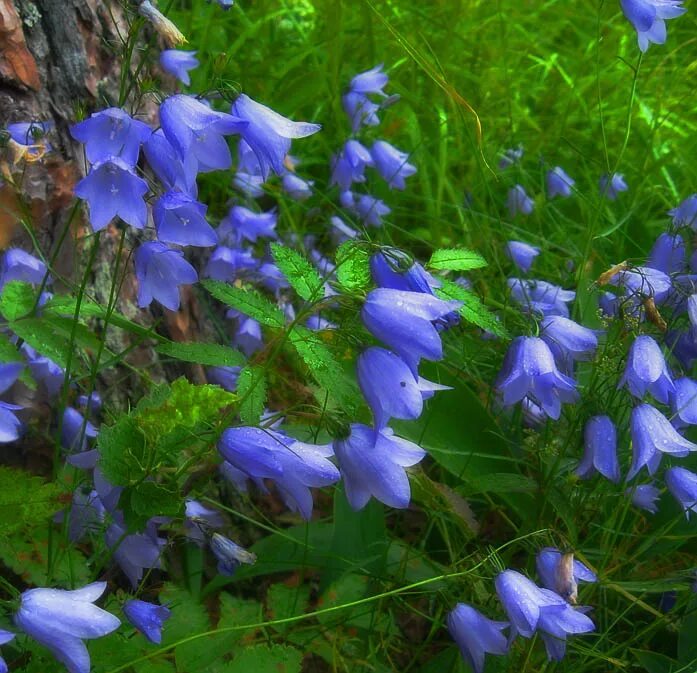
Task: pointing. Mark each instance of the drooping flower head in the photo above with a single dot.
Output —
(371, 210)
(373, 462)
(511, 156)
(668, 254)
(171, 170)
(20, 265)
(559, 183)
(371, 81)
(683, 486)
(391, 164)
(393, 269)
(76, 431)
(646, 371)
(160, 271)
(476, 635)
(349, 165)
(180, 219)
(111, 133)
(178, 63)
(229, 554)
(529, 370)
(519, 202)
(685, 214)
(522, 254)
(360, 110)
(561, 573)
(567, 339)
(148, 618)
(112, 189)
(649, 18)
(644, 497)
(684, 402)
(268, 133)
(610, 187)
(228, 264)
(60, 620)
(296, 187)
(134, 552)
(539, 296)
(600, 455)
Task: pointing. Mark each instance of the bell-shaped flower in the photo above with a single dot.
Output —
(111, 133)
(371, 210)
(390, 387)
(539, 296)
(372, 463)
(668, 254)
(561, 573)
(519, 202)
(60, 620)
(173, 172)
(392, 269)
(10, 425)
(182, 220)
(228, 264)
(476, 635)
(685, 214)
(225, 377)
(511, 156)
(371, 81)
(76, 431)
(111, 188)
(567, 339)
(20, 265)
(134, 552)
(391, 164)
(244, 224)
(644, 497)
(360, 110)
(646, 371)
(268, 133)
(178, 63)
(250, 450)
(653, 435)
(229, 554)
(31, 134)
(683, 402)
(600, 450)
(611, 187)
(340, 231)
(199, 519)
(296, 187)
(555, 626)
(648, 18)
(683, 486)
(194, 129)
(160, 271)
(642, 282)
(248, 337)
(148, 618)
(44, 370)
(5, 637)
(349, 165)
(405, 322)
(559, 183)
(522, 254)
(529, 370)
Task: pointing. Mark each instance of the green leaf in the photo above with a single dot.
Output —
(25, 501)
(298, 271)
(265, 659)
(353, 266)
(250, 302)
(251, 388)
(212, 355)
(473, 309)
(122, 451)
(325, 369)
(150, 499)
(687, 643)
(653, 662)
(456, 259)
(17, 299)
(283, 602)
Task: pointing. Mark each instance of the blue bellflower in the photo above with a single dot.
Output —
(539, 296)
(372, 463)
(228, 264)
(111, 133)
(10, 425)
(476, 635)
(148, 618)
(511, 156)
(31, 134)
(653, 435)
(360, 110)
(244, 224)
(519, 202)
(193, 128)
(5, 637)
(561, 573)
(405, 322)
(112, 189)
(641, 282)
(600, 450)
(182, 220)
(649, 18)
(229, 554)
(248, 336)
(668, 254)
(371, 210)
(559, 183)
(160, 271)
(522, 254)
(178, 63)
(390, 387)
(371, 81)
(683, 402)
(646, 371)
(60, 620)
(199, 519)
(391, 164)
(685, 213)
(529, 370)
(225, 377)
(567, 339)
(76, 431)
(349, 165)
(683, 486)
(134, 553)
(611, 187)
(384, 268)
(644, 497)
(269, 134)
(173, 172)
(296, 187)
(20, 265)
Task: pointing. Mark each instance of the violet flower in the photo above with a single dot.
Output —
(649, 18)
(600, 443)
(644, 497)
(559, 183)
(20, 265)
(160, 271)
(610, 188)
(244, 224)
(646, 371)
(561, 573)
(391, 164)
(476, 635)
(685, 213)
(519, 202)
(177, 63)
(229, 554)
(182, 220)
(683, 486)
(148, 618)
(522, 254)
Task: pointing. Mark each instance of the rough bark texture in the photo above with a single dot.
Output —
(57, 56)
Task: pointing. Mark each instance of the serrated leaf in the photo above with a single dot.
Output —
(149, 499)
(456, 259)
(121, 451)
(211, 355)
(353, 266)
(251, 388)
(325, 369)
(250, 302)
(25, 501)
(17, 299)
(265, 659)
(302, 276)
(473, 309)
